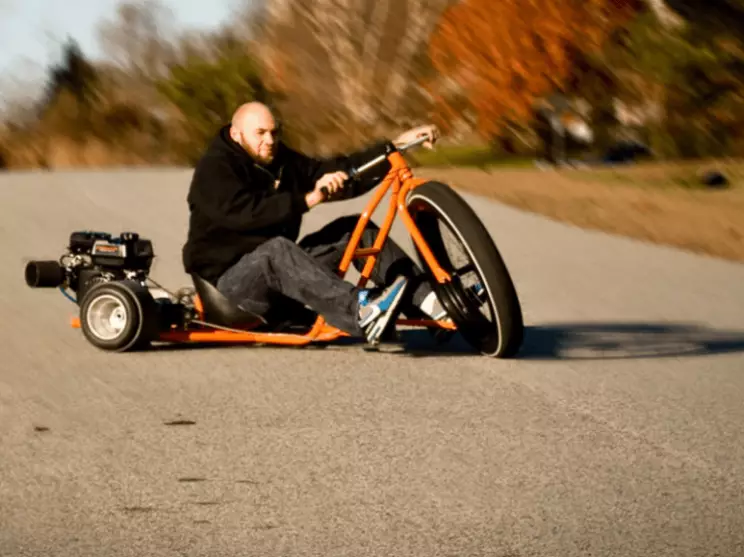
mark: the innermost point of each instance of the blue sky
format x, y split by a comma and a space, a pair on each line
31, 30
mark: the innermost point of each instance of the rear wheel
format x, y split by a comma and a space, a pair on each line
118, 316
489, 316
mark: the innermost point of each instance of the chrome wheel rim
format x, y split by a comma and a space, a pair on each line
107, 317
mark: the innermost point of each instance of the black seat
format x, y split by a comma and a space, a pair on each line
218, 310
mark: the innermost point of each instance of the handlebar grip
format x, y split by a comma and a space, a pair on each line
353, 174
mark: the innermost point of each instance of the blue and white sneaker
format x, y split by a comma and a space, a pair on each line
375, 314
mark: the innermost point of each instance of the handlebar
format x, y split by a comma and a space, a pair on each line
413, 143
355, 172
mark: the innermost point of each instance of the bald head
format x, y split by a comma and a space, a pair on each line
254, 128
251, 112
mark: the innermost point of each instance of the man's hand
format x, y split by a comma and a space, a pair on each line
333, 182
431, 131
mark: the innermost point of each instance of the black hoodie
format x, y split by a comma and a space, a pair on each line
235, 206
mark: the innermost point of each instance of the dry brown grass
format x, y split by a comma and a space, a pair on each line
657, 203
61, 153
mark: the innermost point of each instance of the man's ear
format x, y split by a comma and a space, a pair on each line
234, 134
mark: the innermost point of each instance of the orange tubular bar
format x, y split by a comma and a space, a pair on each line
427, 323
216, 335
356, 236
401, 180
198, 306
366, 252
382, 235
410, 183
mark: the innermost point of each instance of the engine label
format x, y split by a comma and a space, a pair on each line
106, 249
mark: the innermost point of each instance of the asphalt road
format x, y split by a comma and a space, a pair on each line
620, 430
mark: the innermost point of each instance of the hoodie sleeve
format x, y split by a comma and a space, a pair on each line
218, 193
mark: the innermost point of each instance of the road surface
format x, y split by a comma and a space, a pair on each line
619, 431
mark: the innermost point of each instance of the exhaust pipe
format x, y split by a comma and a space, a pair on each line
44, 274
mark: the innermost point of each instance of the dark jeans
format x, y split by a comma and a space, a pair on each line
281, 276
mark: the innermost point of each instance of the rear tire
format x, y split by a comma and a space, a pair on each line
118, 316
502, 338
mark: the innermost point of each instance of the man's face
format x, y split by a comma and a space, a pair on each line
259, 137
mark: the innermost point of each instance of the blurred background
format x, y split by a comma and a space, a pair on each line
538, 82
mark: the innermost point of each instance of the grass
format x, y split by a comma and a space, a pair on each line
58, 152
661, 203
683, 175
468, 157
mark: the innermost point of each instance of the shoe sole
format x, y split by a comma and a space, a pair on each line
373, 337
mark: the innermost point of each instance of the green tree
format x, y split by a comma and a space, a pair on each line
71, 91
705, 97
206, 89
689, 76
74, 74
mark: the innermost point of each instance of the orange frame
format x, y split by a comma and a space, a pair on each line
400, 179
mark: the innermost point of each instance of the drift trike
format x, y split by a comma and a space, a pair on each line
118, 310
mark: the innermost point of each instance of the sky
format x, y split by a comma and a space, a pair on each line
32, 31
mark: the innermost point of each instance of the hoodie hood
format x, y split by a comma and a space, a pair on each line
224, 142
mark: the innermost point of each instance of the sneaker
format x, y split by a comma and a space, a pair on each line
375, 313
432, 307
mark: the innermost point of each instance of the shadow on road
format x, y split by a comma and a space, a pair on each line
606, 341
597, 341
567, 341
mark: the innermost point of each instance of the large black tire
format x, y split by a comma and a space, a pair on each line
501, 338
119, 316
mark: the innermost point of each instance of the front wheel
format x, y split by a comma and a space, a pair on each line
481, 298
118, 316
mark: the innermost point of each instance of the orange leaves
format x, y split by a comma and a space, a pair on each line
503, 54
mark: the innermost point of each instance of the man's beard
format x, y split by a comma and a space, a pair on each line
256, 156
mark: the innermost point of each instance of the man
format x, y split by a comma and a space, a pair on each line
247, 198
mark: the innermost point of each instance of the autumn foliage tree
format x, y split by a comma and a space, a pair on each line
348, 68
494, 59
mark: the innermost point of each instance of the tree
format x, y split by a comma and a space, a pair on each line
496, 59
347, 65
138, 38
207, 89
705, 96
74, 75
714, 16
71, 93
682, 72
